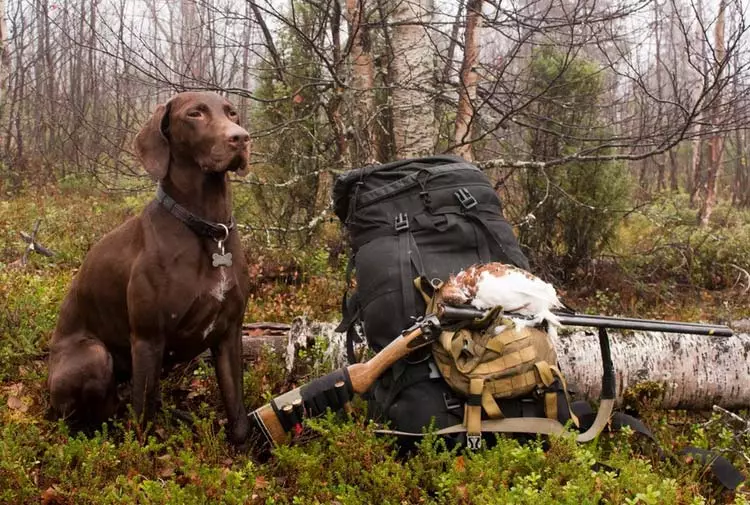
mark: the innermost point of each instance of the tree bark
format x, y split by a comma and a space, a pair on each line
193, 64
673, 167
270, 44
362, 83
4, 53
697, 188
467, 90
695, 178
695, 372
414, 128
716, 143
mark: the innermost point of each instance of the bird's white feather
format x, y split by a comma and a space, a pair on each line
517, 291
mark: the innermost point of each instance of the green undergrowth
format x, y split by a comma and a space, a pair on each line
337, 461
340, 461
662, 265
663, 244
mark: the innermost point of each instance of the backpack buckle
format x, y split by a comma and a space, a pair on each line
474, 442
401, 223
452, 402
465, 198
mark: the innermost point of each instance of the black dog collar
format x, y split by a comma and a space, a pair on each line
216, 231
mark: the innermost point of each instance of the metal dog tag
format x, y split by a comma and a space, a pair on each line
222, 260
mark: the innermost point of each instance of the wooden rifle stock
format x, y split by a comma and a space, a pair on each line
271, 420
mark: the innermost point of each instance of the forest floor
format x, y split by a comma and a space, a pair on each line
656, 269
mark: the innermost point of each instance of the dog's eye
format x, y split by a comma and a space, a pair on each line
194, 113
232, 113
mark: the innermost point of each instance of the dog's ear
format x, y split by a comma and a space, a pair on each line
152, 144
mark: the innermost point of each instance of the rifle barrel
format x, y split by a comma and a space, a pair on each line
643, 324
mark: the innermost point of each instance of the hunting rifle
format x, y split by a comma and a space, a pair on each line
281, 419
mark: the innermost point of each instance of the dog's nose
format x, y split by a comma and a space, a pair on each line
238, 137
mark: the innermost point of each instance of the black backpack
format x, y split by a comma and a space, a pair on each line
426, 217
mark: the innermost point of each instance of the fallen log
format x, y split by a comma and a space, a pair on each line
257, 336
691, 372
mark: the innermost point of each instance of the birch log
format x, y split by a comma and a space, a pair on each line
696, 372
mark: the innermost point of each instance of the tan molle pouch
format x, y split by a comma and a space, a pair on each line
496, 359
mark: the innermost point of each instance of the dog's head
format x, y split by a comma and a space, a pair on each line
196, 129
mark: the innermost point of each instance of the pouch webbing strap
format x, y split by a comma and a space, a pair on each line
550, 405
540, 425
545, 373
505, 338
505, 362
490, 406
415, 257
556, 371
403, 184
473, 408
511, 386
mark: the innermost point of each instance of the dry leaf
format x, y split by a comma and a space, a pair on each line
166, 472
52, 497
17, 403
460, 464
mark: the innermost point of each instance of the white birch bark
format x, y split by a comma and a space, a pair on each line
4, 54
414, 127
695, 371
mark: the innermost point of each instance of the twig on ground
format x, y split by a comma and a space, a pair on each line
747, 277
732, 415
33, 245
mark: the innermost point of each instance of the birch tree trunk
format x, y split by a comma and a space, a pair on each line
695, 178
695, 372
193, 64
4, 53
716, 144
467, 91
414, 127
697, 189
362, 83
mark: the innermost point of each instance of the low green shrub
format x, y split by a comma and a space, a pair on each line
29, 303
663, 242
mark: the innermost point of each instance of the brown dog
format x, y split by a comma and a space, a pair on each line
166, 285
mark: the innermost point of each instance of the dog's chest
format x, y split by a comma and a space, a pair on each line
221, 285
213, 311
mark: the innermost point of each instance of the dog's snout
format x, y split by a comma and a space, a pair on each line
238, 137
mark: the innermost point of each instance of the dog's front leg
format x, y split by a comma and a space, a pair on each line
147, 360
228, 363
